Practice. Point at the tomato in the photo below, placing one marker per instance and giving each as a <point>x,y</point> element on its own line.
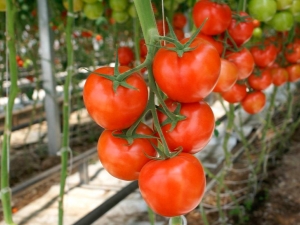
<point>284,4</point>
<point>292,52</point>
<point>294,72</point>
<point>118,5</point>
<point>264,56</point>
<point>295,8</point>
<point>114,110</point>
<point>2,5</point>
<point>257,32</point>
<point>219,16</point>
<point>98,37</point>
<point>77,5</point>
<point>126,55</point>
<point>122,160</point>
<point>235,94</point>
<point>217,44</point>
<point>93,11</point>
<point>254,102</point>
<point>120,17</point>
<point>262,10</point>
<point>179,34</point>
<point>162,27</point>
<point>188,78</point>
<point>143,48</point>
<point>241,31</point>
<point>244,61</point>
<point>280,76</point>
<point>256,23</point>
<point>173,187</point>
<point>86,34</point>
<point>132,11</point>
<point>228,76</point>
<point>282,21</point>
<point>186,135</point>
<point>260,81</point>
<point>171,6</point>
<point>179,20</point>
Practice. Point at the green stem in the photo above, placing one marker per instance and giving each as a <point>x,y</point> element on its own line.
<point>13,71</point>
<point>176,220</point>
<point>66,113</point>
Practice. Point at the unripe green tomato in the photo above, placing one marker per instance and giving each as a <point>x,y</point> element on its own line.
<point>77,5</point>
<point>282,21</point>
<point>262,10</point>
<point>2,5</point>
<point>90,1</point>
<point>93,11</point>
<point>284,4</point>
<point>118,5</point>
<point>167,5</point>
<point>297,18</point>
<point>295,7</point>
<point>257,32</point>
<point>132,11</point>
<point>120,17</point>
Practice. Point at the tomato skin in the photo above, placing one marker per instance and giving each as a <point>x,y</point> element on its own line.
<point>228,76</point>
<point>262,10</point>
<point>217,44</point>
<point>262,81</point>
<point>110,110</point>
<point>173,187</point>
<point>294,72</point>
<point>162,27</point>
<point>235,94</point>
<point>125,55</point>
<point>254,102</point>
<point>292,52</point>
<point>280,76</point>
<point>143,48</point>
<point>179,34</point>
<point>264,57</point>
<point>122,160</point>
<point>219,16</point>
<point>241,32</point>
<point>190,137</point>
<point>196,72</point>
<point>179,20</point>
<point>244,61</point>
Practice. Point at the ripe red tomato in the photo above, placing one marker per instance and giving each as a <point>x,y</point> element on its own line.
<point>179,34</point>
<point>162,27</point>
<point>217,44</point>
<point>294,72</point>
<point>235,94</point>
<point>173,187</point>
<point>228,76</point>
<point>264,57</point>
<point>254,102</point>
<point>260,81</point>
<point>86,34</point>
<point>114,110</point>
<point>188,78</point>
<point>190,137</point>
<point>143,48</point>
<point>122,160</point>
<point>241,31</point>
<point>125,55</point>
<point>280,76</point>
<point>256,23</point>
<point>179,20</point>
<point>219,16</point>
<point>292,52</point>
<point>244,61</point>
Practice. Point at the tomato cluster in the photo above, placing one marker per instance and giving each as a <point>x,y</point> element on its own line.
<point>92,9</point>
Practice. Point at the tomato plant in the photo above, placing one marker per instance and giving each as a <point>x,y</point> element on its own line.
<point>173,187</point>
<point>185,134</point>
<point>235,94</point>
<point>121,159</point>
<point>254,102</point>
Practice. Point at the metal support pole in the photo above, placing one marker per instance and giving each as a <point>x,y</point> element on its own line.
<point>49,84</point>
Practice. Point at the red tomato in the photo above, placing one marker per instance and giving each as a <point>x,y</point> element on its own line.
<point>260,81</point>
<point>228,76</point>
<point>143,48</point>
<point>179,20</point>
<point>98,37</point>
<point>218,45</point>
<point>264,57</point>
<point>20,63</point>
<point>280,76</point>
<point>122,160</point>
<point>179,34</point>
<point>241,31</point>
<point>173,187</point>
<point>254,102</point>
<point>244,61</point>
<point>292,52</point>
<point>294,72</point>
<point>162,27</point>
<point>235,94</point>
<point>190,137</point>
<point>114,110</point>
<point>126,55</point>
<point>188,78</point>
<point>256,23</point>
<point>86,34</point>
<point>219,16</point>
